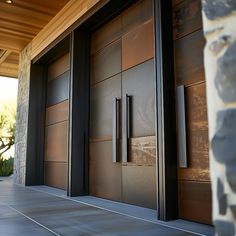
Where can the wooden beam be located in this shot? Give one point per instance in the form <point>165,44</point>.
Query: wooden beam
<point>3,55</point>
<point>71,13</point>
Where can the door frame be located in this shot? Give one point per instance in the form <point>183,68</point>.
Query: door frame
<point>79,34</point>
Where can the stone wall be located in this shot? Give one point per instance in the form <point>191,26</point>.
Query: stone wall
<point>22,115</point>
<point>219,23</point>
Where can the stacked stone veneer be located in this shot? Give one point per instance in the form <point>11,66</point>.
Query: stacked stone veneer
<point>22,115</point>
<point>219,21</point>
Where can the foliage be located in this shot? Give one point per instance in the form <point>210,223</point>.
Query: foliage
<point>7,128</point>
<point>6,166</point>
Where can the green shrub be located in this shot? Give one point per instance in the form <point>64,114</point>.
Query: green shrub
<point>6,166</point>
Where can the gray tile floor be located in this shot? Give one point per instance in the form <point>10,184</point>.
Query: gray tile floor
<point>46,211</point>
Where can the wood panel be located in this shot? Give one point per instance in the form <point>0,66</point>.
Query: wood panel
<point>59,67</point>
<point>139,184</point>
<point>139,83</point>
<point>189,67</point>
<point>101,100</point>
<point>175,2</point>
<point>58,89</point>
<point>194,199</point>
<point>57,113</point>
<point>106,62</point>
<point>187,18</point>
<point>137,45</point>
<point>56,142</point>
<point>197,135</point>
<point>142,151</point>
<point>105,176</point>
<point>55,174</point>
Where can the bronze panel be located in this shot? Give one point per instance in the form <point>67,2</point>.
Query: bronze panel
<point>106,62</point>
<point>59,67</point>
<point>104,175</point>
<point>106,35</point>
<point>142,151</point>
<point>189,59</point>
<point>187,18</point>
<point>137,45</point>
<point>55,174</point>
<point>138,82</point>
<point>139,185</point>
<point>197,135</point>
<point>195,201</point>
<point>137,14</point>
<point>57,113</point>
<point>56,142</point>
<point>102,95</point>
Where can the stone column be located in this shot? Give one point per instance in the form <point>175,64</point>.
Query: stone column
<point>22,115</point>
<point>219,24</point>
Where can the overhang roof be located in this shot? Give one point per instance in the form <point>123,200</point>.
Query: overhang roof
<point>20,22</point>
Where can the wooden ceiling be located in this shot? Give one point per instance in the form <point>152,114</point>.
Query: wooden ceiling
<point>20,22</point>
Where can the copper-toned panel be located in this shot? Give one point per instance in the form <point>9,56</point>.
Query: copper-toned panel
<point>56,142</point>
<point>197,135</point>
<point>59,67</point>
<point>57,113</point>
<point>142,151</point>
<point>106,62</point>
<point>187,18</point>
<point>102,95</point>
<point>104,175</point>
<point>189,59</point>
<point>107,34</point>
<point>55,174</point>
<point>137,45</point>
<point>195,201</point>
<point>137,14</point>
<point>139,185</point>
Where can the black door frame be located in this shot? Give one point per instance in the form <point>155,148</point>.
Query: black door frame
<point>166,179</point>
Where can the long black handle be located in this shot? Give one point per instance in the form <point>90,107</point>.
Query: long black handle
<point>126,128</point>
<point>181,124</point>
<point>115,130</point>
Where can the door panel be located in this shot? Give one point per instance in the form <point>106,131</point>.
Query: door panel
<point>138,82</point>
<point>102,95</point>
<point>139,186</point>
<point>137,45</point>
<point>105,177</point>
<point>106,62</point>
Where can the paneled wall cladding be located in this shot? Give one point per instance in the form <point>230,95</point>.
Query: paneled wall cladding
<point>219,27</point>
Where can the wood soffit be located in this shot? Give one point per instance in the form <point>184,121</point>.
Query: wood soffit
<point>20,22</point>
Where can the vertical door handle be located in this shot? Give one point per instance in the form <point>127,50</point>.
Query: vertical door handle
<point>181,126</point>
<point>126,128</point>
<point>115,129</point>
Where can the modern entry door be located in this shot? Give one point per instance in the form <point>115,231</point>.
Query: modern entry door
<point>122,159</point>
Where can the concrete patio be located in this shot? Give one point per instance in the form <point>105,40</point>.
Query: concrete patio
<point>42,211</point>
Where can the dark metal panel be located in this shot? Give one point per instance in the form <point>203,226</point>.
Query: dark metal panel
<point>181,124</point>
<point>104,174</point>
<point>56,142</point>
<point>106,63</point>
<point>58,89</point>
<point>55,174</point>
<point>138,82</point>
<point>57,113</point>
<point>137,45</point>
<point>35,134</point>
<point>165,110</point>
<point>101,96</point>
<point>195,201</point>
<point>78,114</point>
<point>139,185</point>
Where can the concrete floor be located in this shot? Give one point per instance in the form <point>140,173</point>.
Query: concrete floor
<point>46,211</point>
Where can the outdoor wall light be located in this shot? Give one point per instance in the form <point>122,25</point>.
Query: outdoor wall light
<point>8,1</point>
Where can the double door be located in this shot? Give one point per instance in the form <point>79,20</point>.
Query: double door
<point>122,159</point>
